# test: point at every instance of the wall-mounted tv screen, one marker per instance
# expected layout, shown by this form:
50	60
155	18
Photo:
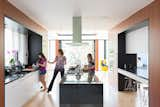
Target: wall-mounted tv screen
34	46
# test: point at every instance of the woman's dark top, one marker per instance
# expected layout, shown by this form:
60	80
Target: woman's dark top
91	64
42	69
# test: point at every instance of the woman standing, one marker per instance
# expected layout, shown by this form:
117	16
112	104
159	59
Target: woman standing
91	65
60	61
42	62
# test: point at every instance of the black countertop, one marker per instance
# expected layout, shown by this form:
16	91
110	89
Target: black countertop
83	79
15	76
140	71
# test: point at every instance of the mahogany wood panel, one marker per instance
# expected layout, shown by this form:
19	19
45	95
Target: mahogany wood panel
152	13
57	47
96	55
1	63
132	20
154	60
12	12
1	57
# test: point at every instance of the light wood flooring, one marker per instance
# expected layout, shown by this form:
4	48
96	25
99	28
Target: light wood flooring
112	98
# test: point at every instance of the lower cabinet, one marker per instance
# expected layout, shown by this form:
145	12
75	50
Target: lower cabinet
81	95
18	92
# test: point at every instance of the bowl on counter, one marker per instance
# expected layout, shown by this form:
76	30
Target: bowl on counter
78	76
85	68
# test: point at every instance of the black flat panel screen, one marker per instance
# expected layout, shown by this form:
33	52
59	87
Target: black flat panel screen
129	61
34	46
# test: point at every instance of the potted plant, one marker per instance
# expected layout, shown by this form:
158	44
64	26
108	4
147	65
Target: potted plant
12	58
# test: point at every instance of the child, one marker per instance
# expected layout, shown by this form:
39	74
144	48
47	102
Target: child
42	62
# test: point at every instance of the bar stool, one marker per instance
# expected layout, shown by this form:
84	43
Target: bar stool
130	84
145	96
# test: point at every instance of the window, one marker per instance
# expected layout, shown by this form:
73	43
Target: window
77	54
8	45
16	42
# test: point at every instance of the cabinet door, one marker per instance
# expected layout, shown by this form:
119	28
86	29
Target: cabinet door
13	94
81	94
20	91
68	93
90	93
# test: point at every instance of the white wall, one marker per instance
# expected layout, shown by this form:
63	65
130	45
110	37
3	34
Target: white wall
113	52
100	51
137	41
51	50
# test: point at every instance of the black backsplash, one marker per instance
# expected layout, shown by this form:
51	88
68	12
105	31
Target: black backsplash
34	46
128	60
121	43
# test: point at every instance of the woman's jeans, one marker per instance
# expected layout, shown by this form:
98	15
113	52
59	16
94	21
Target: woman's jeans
61	70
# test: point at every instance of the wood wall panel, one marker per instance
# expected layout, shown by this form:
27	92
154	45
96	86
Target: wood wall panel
1	57
132	20
17	15
152	13
1	63
96	55
155	56
6	9
57	47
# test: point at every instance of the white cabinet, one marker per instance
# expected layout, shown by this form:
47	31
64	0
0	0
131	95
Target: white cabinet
20	91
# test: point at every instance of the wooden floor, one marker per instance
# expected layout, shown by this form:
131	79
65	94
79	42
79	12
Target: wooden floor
112	98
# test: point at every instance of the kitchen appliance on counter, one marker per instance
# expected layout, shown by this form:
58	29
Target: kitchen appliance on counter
15	72
73	69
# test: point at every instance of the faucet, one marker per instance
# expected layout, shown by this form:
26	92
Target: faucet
125	66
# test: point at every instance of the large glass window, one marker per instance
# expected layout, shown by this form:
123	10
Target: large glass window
16	42
77	54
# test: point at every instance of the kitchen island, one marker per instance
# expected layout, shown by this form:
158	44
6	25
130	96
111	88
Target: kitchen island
81	91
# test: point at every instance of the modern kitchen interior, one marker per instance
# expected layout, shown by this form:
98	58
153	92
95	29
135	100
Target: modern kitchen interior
22	47
106	64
